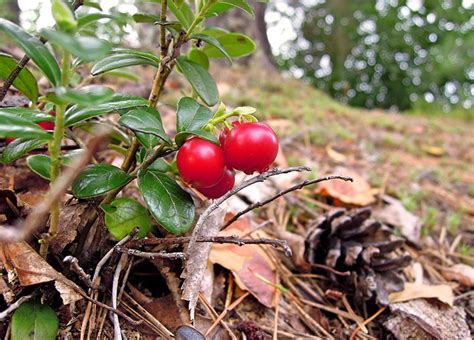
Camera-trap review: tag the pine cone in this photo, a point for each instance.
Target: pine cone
(351, 241)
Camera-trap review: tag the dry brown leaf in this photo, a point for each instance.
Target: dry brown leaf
(335, 155)
(396, 215)
(70, 220)
(250, 264)
(461, 273)
(422, 319)
(357, 193)
(443, 293)
(32, 269)
(198, 256)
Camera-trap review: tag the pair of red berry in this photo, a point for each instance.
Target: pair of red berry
(247, 147)
(48, 126)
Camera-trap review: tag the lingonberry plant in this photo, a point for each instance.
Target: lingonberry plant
(72, 104)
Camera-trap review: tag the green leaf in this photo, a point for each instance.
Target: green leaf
(28, 114)
(236, 44)
(85, 48)
(34, 320)
(92, 4)
(125, 74)
(63, 15)
(199, 57)
(191, 115)
(169, 204)
(224, 5)
(14, 126)
(159, 165)
(20, 147)
(87, 19)
(200, 80)
(98, 179)
(181, 137)
(143, 120)
(145, 18)
(215, 32)
(121, 60)
(40, 165)
(140, 53)
(34, 49)
(25, 82)
(77, 114)
(183, 13)
(125, 214)
(213, 42)
(86, 96)
(148, 140)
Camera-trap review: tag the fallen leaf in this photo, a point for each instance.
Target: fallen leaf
(433, 150)
(396, 215)
(32, 269)
(423, 319)
(250, 264)
(443, 293)
(335, 155)
(357, 193)
(198, 256)
(71, 219)
(461, 273)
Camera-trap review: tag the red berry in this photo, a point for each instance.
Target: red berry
(48, 125)
(222, 187)
(8, 140)
(200, 163)
(223, 135)
(251, 147)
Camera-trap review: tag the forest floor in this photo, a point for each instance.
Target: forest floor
(412, 173)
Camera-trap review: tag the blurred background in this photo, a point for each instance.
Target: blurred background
(397, 55)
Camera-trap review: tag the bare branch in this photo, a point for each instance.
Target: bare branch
(76, 268)
(281, 193)
(152, 256)
(14, 305)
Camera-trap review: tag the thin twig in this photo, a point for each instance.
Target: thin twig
(234, 239)
(152, 256)
(115, 281)
(281, 193)
(13, 306)
(38, 216)
(76, 268)
(354, 333)
(225, 311)
(105, 258)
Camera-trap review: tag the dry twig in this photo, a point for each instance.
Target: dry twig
(13, 306)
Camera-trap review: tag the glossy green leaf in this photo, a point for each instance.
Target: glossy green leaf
(125, 214)
(25, 82)
(125, 74)
(20, 147)
(148, 140)
(236, 44)
(86, 96)
(223, 5)
(199, 57)
(14, 126)
(40, 165)
(213, 42)
(143, 120)
(181, 137)
(145, 18)
(35, 116)
(121, 60)
(98, 179)
(159, 165)
(33, 49)
(77, 114)
(63, 15)
(200, 80)
(85, 48)
(215, 32)
(34, 320)
(169, 204)
(191, 115)
(131, 51)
